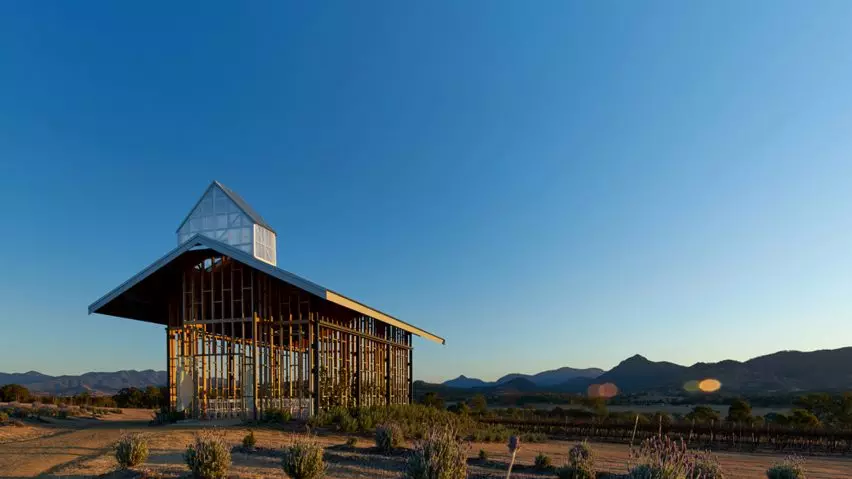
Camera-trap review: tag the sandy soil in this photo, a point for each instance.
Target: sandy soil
(83, 448)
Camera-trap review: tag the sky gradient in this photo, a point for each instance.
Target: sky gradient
(544, 184)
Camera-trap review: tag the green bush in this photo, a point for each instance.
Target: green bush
(131, 450)
(351, 441)
(388, 436)
(276, 415)
(208, 457)
(792, 467)
(542, 462)
(439, 455)
(249, 441)
(303, 460)
(483, 455)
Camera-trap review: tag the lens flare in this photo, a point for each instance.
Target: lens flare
(709, 385)
(691, 386)
(606, 390)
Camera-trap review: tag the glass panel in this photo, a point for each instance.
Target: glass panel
(209, 222)
(245, 235)
(221, 221)
(195, 224)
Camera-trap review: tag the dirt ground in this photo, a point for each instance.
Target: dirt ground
(82, 448)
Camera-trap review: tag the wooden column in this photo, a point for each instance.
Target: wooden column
(315, 371)
(360, 345)
(388, 373)
(410, 369)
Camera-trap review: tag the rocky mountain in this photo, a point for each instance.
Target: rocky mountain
(94, 382)
(784, 371)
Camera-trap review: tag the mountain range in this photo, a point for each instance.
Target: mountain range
(784, 371)
(96, 383)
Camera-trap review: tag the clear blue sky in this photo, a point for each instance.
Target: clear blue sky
(542, 183)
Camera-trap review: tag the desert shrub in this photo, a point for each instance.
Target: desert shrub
(388, 436)
(116, 411)
(16, 422)
(348, 424)
(706, 466)
(351, 441)
(542, 462)
(249, 441)
(792, 467)
(483, 455)
(208, 457)
(3, 417)
(167, 416)
(661, 458)
(131, 450)
(439, 455)
(581, 452)
(303, 460)
(276, 415)
(581, 464)
(62, 414)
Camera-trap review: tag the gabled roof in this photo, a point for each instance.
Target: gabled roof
(103, 305)
(237, 199)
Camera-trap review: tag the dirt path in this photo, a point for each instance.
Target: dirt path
(44, 455)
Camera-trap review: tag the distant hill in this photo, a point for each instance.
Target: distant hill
(465, 382)
(95, 382)
(542, 379)
(784, 371)
(554, 376)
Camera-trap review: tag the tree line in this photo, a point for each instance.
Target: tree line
(151, 397)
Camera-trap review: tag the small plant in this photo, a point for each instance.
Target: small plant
(661, 458)
(131, 450)
(483, 455)
(792, 467)
(542, 462)
(581, 464)
(249, 441)
(514, 446)
(706, 466)
(388, 436)
(439, 455)
(3, 417)
(351, 441)
(208, 457)
(348, 424)
(303, 460)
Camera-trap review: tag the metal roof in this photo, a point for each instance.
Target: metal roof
(237, 199)
(196, 242)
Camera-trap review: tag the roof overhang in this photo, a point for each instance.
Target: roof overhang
(132, 299)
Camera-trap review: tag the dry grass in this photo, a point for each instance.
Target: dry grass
(80, 449)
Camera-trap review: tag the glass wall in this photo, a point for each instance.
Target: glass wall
(217, 217)
(264, 244)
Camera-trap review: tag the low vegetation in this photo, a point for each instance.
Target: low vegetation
(664, 458)
(580, 465)
(439, 455)
(303, 459)
(388, 437)
(792, 467)
(249, 441)
(542, 462)
(131, 450)
(208, 457)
